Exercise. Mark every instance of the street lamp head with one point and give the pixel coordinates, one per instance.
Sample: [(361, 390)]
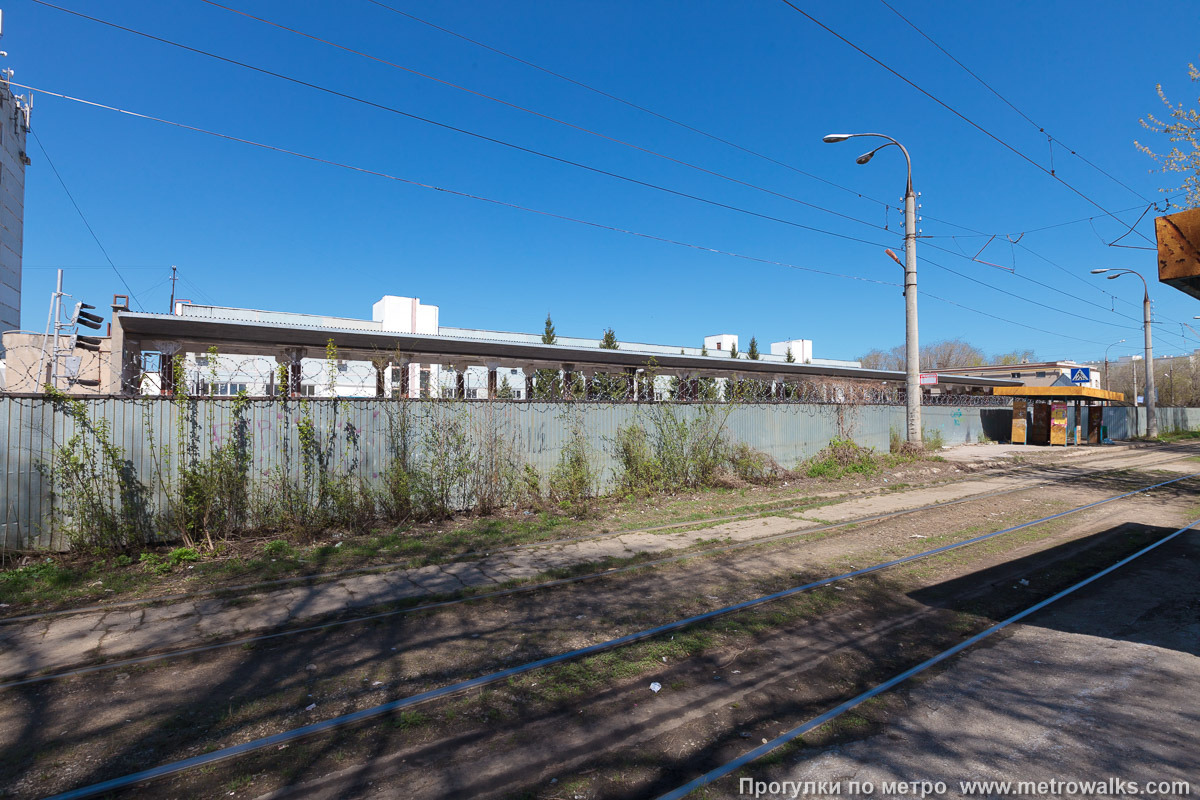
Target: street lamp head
[(835, 137), (1114, 277), (1099, 271), (865, 157)]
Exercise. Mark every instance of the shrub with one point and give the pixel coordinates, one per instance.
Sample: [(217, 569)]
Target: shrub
[(750, 464), (279, 548), (573, 482), (679, 453), (932, 440), (839, 458)]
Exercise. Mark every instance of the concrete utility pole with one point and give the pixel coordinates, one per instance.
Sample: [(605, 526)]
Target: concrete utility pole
[(912, 347), (1151, 400), (1114, 344)]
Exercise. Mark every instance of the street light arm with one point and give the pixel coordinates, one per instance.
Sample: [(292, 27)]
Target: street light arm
[(841, 137)]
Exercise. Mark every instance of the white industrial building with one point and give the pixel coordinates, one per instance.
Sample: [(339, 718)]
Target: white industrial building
[(259, 375)]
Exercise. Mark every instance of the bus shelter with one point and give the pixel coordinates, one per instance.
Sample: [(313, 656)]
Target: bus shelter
[(1040, 413)]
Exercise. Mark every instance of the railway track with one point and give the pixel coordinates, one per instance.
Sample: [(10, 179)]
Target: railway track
[(1140, 461), (765, 749), (157, 655), (344, 721)]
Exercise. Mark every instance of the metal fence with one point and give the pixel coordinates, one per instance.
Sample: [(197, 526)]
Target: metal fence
[(360, 434)]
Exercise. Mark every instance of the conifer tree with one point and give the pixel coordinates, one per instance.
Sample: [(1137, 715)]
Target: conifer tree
[(547, 383), (609, 340), (752, 353), (733, 351), (789, 358)]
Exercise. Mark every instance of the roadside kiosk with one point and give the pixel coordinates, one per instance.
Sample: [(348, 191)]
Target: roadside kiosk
[(1040, 413)]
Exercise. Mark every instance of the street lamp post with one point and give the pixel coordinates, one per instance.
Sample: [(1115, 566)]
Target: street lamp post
[(1151, 402), (1114, 344), (912, 349)]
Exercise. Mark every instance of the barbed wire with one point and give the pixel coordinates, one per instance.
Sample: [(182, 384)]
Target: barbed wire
[(30, 370)]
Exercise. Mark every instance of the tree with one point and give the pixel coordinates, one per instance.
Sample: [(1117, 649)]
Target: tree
[(1183, 132), (884, 359), (505, 390), (951, 353), (547, 383), (752, 353), (733, 351), (946, 354), (606, 386), (1013, 357), (789, 358), (703, 349)]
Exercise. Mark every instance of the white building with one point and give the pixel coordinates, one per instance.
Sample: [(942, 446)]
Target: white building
[(260, 375)]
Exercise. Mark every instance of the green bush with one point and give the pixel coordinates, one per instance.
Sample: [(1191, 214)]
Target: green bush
[(841, 457), (749, 464), (574, 482), (680, 453), (279, 548)]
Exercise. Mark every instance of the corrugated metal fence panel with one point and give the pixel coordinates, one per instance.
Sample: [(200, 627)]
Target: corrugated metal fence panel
[(363, 434)]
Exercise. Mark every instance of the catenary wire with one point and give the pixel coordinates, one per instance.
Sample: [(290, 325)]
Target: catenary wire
[(951, 109), (518, 147), (1029, 300), (79, 211), (506, 204), (665, 117), (466, 195), (669, 119), (508, 144), (544, 116), (1011, 105), (454, 128), (628, 103)]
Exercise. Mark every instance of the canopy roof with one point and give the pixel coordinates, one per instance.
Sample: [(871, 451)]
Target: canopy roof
[(1058, 393)]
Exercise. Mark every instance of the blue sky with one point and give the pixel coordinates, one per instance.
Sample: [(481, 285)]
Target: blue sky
[(249, 227)]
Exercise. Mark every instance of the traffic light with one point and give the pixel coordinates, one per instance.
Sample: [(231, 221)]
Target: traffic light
[(86, 319), (89, 343)]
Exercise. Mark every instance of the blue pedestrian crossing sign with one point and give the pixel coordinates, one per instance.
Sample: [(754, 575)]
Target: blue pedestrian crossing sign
[(1081, 375)]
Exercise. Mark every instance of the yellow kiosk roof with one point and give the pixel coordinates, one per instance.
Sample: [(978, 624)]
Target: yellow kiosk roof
[(1058, 393)]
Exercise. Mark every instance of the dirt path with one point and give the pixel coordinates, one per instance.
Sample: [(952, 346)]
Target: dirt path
[(68, 732), (58, 642), (625, 741)]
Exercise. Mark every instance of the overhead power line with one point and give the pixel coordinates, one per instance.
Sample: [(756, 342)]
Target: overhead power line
[(625, 102), (1005, 319), (79, 211), (953, 111), (410, 182), (515, 206), (1010, 104), (664, 117), (456, 129), (540, 115)]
